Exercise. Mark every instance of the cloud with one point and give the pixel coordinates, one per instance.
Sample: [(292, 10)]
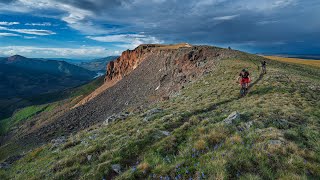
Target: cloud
[(224, 18), (267, 22), (39, 24), (30, 51), (197, 22), (3, 23), (128, 41), (8, 34), (39, 32)]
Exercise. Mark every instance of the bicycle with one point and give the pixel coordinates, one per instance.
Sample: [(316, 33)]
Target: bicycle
[(243, 90), (263, 70)]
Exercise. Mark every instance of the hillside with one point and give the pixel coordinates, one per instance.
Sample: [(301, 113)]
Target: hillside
[(22, 78), (163, 114)]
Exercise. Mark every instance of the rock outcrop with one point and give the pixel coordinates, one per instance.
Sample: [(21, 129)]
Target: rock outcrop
[(176, 65)]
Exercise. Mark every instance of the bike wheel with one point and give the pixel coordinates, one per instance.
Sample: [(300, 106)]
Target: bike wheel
[(242, 92)]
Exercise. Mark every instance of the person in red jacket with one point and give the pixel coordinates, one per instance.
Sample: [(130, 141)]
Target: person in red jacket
[(244, 78)]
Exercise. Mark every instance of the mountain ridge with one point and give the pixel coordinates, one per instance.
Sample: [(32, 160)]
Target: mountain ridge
[(177, 113)]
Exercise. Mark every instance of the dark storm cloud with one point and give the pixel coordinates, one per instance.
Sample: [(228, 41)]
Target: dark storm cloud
[(246, 22), (251, 23), (7, 1), (93, 5)]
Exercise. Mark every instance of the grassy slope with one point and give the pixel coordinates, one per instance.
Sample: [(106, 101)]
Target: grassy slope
[(22, 115), (282, 105), (315, 63)]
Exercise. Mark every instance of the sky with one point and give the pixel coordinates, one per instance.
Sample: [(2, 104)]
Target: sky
[(87, 29)]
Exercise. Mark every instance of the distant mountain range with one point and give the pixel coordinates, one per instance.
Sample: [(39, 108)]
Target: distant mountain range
[(22, 77), (98, 65), (299, 56)]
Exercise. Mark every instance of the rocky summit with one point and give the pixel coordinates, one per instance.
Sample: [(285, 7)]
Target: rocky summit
[(174, 112)]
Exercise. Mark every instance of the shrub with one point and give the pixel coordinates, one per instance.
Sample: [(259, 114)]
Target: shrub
[(200, 145)]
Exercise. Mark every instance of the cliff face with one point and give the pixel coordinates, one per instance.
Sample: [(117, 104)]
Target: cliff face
[(173, 66), (127, 62), (176, 65)]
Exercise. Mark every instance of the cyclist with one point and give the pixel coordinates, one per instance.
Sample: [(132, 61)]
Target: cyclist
[(244, 78), (264, 67)]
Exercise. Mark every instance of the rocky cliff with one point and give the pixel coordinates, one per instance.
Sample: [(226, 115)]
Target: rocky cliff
[(175, 65)]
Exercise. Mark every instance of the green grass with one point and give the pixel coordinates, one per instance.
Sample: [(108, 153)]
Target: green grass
[(22, 115), (283, 106)]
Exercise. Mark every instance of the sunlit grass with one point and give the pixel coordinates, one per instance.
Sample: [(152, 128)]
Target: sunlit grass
[(315, 63)]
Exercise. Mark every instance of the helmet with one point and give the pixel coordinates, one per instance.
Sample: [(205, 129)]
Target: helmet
[(244, 70)]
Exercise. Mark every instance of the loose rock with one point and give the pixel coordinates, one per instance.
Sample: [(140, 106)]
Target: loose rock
[(117, 117), (89, 157), (57, 142), (116, 168), (232, 117), (166, 133)]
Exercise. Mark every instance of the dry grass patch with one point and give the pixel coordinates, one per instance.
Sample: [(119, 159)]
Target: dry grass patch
[(315, 63), (200, 145)]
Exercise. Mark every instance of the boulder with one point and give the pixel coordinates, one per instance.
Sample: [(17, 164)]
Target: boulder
[(116, 117), (89, 157), (116, 168), (232, 117), (57, 142)]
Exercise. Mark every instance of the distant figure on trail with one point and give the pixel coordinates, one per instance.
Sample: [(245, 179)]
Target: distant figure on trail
[(229, 48), (244, 80), (264, 67)]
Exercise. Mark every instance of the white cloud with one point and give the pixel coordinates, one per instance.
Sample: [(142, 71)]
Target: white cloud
[(4, 23), (30, 51), (39, 32), (117, 38), (8, 34), (39, 24), (266, 22), (264, 5), (225, 18), (130, 40)]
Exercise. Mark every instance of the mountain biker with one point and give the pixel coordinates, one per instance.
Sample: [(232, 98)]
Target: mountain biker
[(244, 78), (264, 67)]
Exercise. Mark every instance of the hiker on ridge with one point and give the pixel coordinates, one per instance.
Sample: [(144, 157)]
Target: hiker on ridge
[(264, 67), (244, 78)]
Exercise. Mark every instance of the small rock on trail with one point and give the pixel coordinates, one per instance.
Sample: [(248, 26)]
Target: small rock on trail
[(232, 117)]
